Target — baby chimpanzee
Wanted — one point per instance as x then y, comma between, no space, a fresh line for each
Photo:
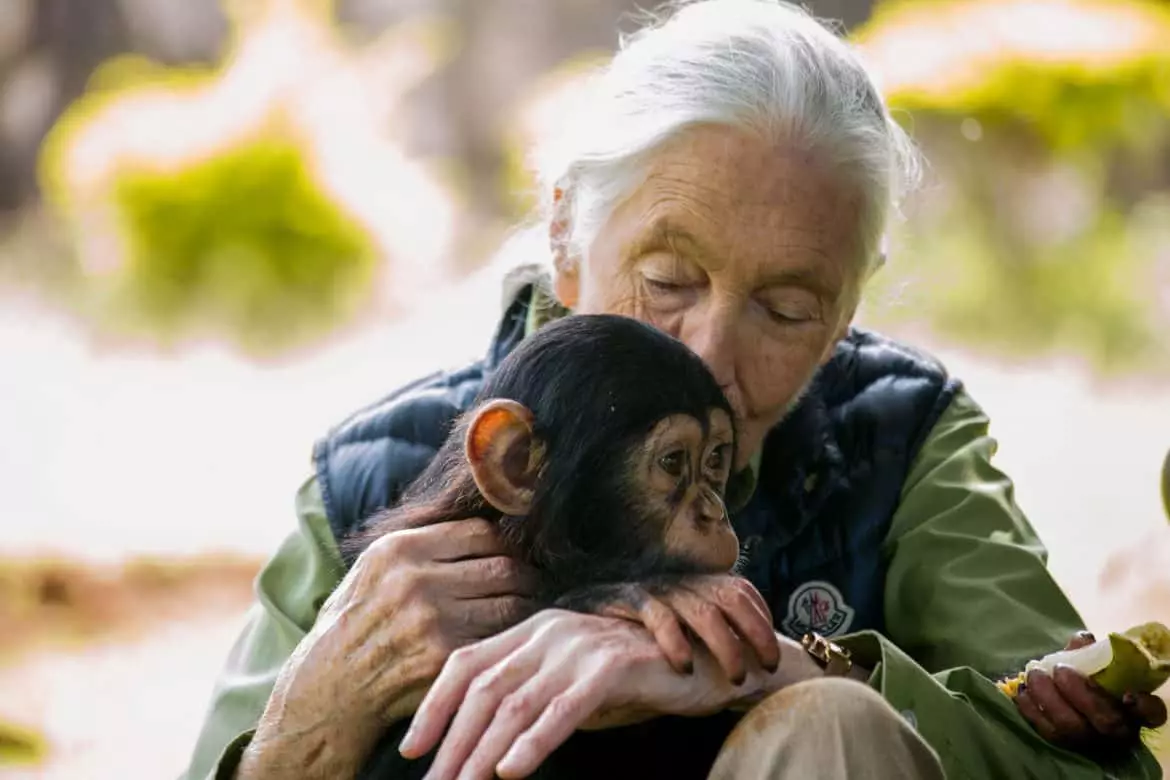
602,448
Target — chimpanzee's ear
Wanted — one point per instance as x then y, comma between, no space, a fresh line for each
504,455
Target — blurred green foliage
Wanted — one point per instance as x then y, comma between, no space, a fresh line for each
20,746
1044,225
243,243
245,239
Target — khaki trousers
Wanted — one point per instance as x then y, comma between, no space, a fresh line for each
831,728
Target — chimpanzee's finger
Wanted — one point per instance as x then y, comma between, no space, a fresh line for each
565,713
450,687
1146,708
745,586
1070,725
664,624
752,623
636,605
710,625
1104,713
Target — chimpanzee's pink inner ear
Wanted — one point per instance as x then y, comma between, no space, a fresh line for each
503,456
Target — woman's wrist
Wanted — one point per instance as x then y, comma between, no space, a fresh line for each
307,730
796,665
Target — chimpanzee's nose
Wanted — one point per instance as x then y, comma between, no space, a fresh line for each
711,506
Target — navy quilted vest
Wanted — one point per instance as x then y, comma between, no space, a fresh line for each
830,479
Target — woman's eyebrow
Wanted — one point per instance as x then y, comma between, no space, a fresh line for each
665,234
809,277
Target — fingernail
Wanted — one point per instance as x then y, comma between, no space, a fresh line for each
738,681
772,668
507,765
405,747
1129,700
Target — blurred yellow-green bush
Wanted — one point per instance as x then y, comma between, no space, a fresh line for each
1044,224
246,240
241,240
20,746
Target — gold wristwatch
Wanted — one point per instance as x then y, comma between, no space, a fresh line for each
834,659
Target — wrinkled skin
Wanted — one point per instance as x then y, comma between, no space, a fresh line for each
722,611
746,252
1072,711
513,699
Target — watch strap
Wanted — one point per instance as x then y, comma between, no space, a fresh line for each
834,659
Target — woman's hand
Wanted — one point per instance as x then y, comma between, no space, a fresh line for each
1070,710
724,611
513,699
410,600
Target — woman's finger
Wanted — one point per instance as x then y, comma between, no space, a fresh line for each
1079,640
710,625
477,578
1104,713
486,618
457,540
451,686
475,712
1069,723
515,715
1146,708
563,715
1032,712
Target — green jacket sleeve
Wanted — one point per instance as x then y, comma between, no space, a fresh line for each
968,598
290,590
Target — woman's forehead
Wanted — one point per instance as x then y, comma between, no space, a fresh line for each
721,196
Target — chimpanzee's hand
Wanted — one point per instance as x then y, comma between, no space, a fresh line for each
1070,710
381,638
723,610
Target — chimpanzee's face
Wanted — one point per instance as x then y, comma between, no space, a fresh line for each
681,469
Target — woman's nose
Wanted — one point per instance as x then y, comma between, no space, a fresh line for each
711,337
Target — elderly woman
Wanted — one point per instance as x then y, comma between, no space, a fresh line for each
728,179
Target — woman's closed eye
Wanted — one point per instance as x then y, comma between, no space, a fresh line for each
792,309
791,315
662,285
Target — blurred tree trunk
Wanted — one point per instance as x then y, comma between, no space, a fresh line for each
850,13
67,39
505,46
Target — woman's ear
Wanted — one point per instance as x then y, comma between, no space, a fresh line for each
566,280
503,455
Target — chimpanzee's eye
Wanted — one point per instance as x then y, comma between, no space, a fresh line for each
673,463
717,459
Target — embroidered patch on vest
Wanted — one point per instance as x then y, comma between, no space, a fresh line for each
817,606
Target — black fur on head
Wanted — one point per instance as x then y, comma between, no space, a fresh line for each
596,386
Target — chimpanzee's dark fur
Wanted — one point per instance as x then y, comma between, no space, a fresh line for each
596,385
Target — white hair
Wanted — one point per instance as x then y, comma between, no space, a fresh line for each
760,65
